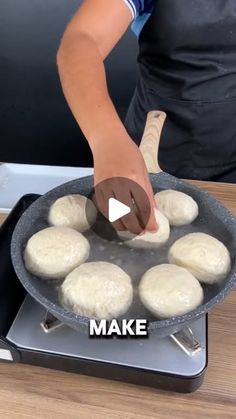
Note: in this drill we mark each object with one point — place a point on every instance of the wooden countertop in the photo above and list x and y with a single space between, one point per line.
38 393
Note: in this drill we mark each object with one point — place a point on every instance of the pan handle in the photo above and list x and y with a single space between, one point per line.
149 145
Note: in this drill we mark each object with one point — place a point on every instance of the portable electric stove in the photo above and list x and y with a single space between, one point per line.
30 335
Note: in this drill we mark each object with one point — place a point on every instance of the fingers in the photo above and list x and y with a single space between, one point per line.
103 193
131 221
139 199
142 208
119 226
152 224
109 192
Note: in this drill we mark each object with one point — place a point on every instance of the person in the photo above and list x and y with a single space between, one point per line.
186 67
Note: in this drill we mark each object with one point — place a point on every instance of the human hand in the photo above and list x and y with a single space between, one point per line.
121 165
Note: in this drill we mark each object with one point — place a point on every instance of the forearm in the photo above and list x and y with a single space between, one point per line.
83 80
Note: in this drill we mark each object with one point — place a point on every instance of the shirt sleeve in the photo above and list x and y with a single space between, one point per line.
139 7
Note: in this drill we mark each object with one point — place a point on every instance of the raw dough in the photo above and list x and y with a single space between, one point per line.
149 240
168 290
98 290
203 255
178 207
55 251
75 211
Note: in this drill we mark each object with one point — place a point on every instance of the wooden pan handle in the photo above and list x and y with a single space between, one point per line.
149 145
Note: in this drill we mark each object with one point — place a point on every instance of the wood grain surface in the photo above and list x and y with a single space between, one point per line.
2 217
30 392
150 141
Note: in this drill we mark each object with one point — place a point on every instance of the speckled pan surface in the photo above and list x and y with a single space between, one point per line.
213 219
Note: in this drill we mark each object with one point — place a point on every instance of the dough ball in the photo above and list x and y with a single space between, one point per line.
55 251
74 211
149 240
98 290
203 255
168 291
178 207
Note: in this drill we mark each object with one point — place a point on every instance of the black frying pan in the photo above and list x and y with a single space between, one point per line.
213 218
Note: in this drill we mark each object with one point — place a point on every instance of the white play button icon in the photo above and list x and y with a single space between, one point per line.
106 195
116 210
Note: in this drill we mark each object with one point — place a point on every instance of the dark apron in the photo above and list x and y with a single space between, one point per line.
187 68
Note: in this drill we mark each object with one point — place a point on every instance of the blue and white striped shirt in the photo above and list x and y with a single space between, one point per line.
140 10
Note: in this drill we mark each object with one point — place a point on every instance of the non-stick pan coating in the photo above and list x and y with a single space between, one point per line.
214 219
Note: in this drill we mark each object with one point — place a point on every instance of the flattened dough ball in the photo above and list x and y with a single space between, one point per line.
203 255
55 251
74 211
98 290
178 207
149 240
168 290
